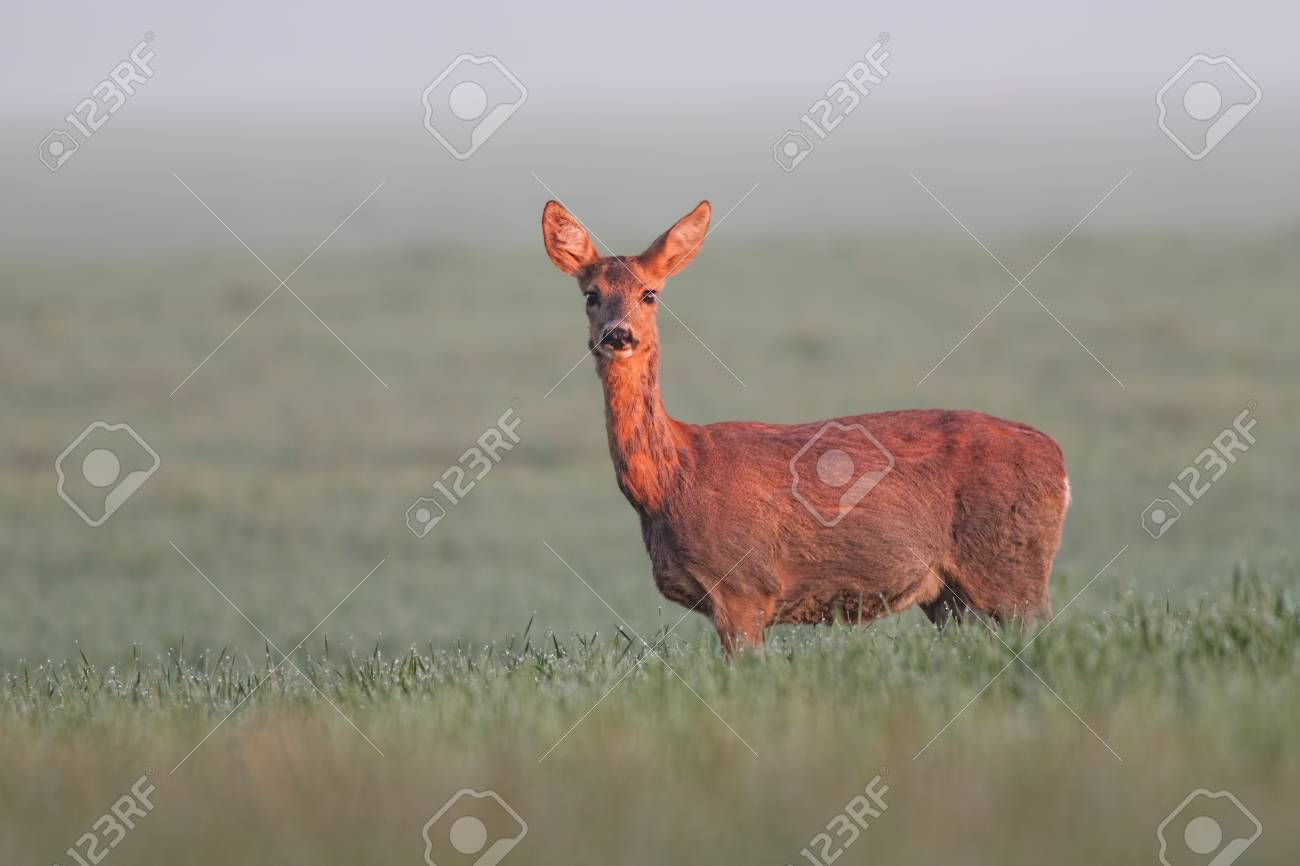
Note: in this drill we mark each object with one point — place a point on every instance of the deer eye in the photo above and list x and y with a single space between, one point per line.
591 298
647 297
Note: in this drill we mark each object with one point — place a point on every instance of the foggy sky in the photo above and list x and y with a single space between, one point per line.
329 55
284 116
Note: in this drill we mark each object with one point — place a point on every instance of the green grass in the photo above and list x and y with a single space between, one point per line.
651 773
287 469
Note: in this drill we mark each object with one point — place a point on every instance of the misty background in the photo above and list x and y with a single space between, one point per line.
284 116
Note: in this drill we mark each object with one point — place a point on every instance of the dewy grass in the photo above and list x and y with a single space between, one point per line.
287 468
596 740
1135 646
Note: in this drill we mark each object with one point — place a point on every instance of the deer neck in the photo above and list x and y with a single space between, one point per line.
644 441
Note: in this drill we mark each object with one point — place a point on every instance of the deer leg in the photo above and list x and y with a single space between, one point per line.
742 623
734 641
948 606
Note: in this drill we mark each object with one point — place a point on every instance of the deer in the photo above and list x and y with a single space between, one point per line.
849 519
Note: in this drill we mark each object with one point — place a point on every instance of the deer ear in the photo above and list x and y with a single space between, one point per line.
673 251
566 240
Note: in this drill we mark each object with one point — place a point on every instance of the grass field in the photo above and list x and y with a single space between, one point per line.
978 751
287 468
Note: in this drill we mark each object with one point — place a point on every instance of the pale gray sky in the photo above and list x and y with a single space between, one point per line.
331 55
285 115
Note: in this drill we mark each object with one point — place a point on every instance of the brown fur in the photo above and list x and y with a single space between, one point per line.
968 518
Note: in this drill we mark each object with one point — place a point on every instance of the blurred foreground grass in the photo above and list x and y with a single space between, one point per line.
676 757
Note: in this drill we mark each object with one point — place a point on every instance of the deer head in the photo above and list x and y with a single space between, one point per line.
620 291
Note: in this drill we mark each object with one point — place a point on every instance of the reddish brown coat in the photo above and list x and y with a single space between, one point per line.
966 511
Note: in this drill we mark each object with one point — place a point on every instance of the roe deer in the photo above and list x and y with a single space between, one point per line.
755 524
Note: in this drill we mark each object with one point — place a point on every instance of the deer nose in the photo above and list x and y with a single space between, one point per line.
619 337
